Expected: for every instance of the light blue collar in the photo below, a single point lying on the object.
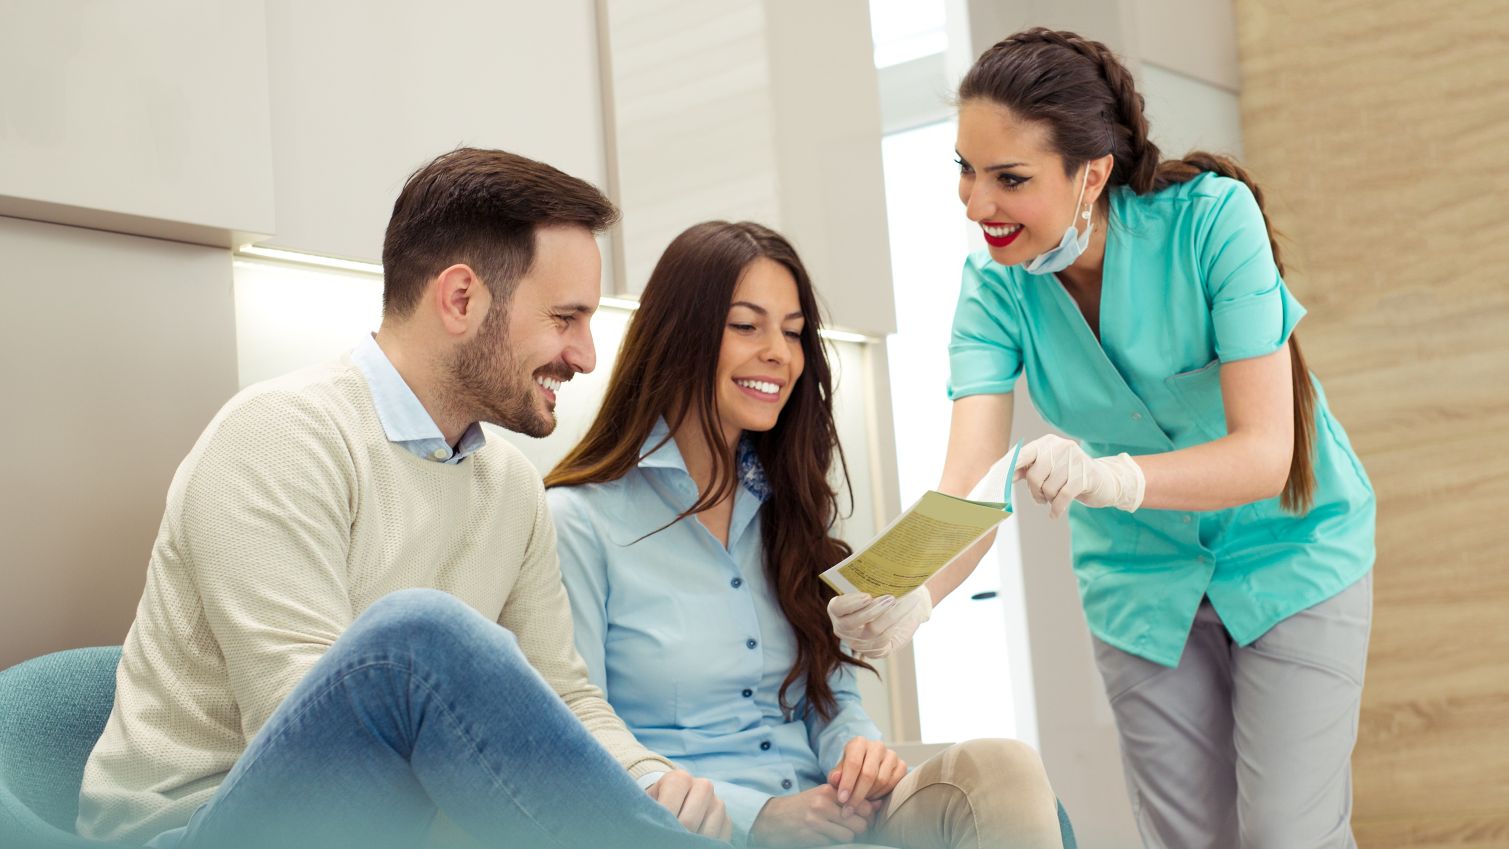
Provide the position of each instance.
(668, 456)
(404, 419)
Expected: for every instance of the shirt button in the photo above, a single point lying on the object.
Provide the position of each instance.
(1187, 519)
(747, 693)
(441, 454)
(750, 644)
(1136, 417)
(765, 746)
(736, 583)
(785, 784)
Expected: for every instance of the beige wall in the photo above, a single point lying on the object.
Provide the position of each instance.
(204, 122)
(752, 109)
(1378, 129)
(114, 353)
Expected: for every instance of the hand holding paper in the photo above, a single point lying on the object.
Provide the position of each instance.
(875, 627)
(1058, 471)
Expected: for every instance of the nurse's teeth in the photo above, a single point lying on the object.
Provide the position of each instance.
(1001, 232)
(760, 386)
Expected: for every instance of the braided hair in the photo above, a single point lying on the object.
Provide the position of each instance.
(1088, 102)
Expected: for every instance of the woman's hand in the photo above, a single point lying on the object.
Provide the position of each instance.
(693, 803)
(875, 627)
(868, 772)
(810, 818)
(1058, 471)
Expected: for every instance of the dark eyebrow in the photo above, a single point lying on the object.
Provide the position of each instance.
(761, 310)
(990, 168)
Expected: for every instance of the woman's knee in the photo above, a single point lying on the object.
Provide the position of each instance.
(992, 759)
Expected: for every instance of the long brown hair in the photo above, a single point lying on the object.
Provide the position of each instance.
(1090, 105)
(667, 367)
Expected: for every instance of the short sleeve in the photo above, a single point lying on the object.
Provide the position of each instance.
(1252, 311)
(985, 351)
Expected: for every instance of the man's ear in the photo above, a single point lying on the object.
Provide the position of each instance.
(460, 299)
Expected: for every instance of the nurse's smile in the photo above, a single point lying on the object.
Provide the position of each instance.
(999, 235)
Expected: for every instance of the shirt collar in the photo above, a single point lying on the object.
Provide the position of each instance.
(668, 456)
(404, 419)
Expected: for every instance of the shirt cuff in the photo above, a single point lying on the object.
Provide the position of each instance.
(648, 780)
(743, 806)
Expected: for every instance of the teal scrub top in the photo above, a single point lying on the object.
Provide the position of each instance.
(1188, 283)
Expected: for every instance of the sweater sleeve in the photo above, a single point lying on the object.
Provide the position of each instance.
(539, 615)
(264, 527)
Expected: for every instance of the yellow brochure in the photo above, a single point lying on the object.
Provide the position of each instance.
(919, 543)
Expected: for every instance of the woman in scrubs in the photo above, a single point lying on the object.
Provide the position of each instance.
(1222, 525)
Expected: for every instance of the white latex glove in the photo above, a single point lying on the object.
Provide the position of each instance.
(875, 627)
(1058, 471)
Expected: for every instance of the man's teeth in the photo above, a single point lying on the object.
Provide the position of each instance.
(760, 386)
(549, 383)
(1001, 232)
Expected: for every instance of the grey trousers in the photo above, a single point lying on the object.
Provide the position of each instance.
(1246, 747)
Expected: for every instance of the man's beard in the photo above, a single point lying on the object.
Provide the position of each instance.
(488, 384)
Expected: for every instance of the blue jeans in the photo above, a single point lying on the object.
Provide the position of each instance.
(425, 706)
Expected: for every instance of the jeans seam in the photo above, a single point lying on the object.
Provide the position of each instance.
(445, 710)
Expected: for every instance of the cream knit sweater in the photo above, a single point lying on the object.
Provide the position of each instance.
(291, 515)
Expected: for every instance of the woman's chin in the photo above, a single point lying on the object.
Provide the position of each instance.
(1008, 255)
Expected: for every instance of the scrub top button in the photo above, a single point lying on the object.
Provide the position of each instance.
(1136, 417)
(1187, 519)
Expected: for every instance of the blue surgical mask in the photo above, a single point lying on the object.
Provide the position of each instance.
(1070, 246)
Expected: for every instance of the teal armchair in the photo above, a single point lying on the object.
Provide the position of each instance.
(52, 710)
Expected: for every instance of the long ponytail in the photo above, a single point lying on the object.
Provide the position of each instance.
(1299, 488)
(1089, 101)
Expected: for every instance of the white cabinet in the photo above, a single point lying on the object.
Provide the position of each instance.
(145, 118)
(365, 91)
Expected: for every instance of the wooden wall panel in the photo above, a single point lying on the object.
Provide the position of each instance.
(1379, 129)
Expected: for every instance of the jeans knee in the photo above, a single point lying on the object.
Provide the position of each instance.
(424, 621)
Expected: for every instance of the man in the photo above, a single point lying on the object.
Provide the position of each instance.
(353, 618)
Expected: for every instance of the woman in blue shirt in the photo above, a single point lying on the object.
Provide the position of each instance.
(1222, 525)
(693, 521)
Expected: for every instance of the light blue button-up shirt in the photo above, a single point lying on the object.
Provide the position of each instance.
(686, 637)
(404, 419)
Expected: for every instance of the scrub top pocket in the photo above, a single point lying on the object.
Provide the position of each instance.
(1199, 392)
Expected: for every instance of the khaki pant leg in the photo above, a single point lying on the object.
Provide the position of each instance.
(981, 794)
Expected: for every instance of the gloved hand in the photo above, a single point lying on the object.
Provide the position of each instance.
(875, 627)
(1058, 471)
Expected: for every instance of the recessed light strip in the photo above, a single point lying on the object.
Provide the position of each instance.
(372, 268)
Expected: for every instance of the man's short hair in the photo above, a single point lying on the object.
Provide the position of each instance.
(480, 208)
